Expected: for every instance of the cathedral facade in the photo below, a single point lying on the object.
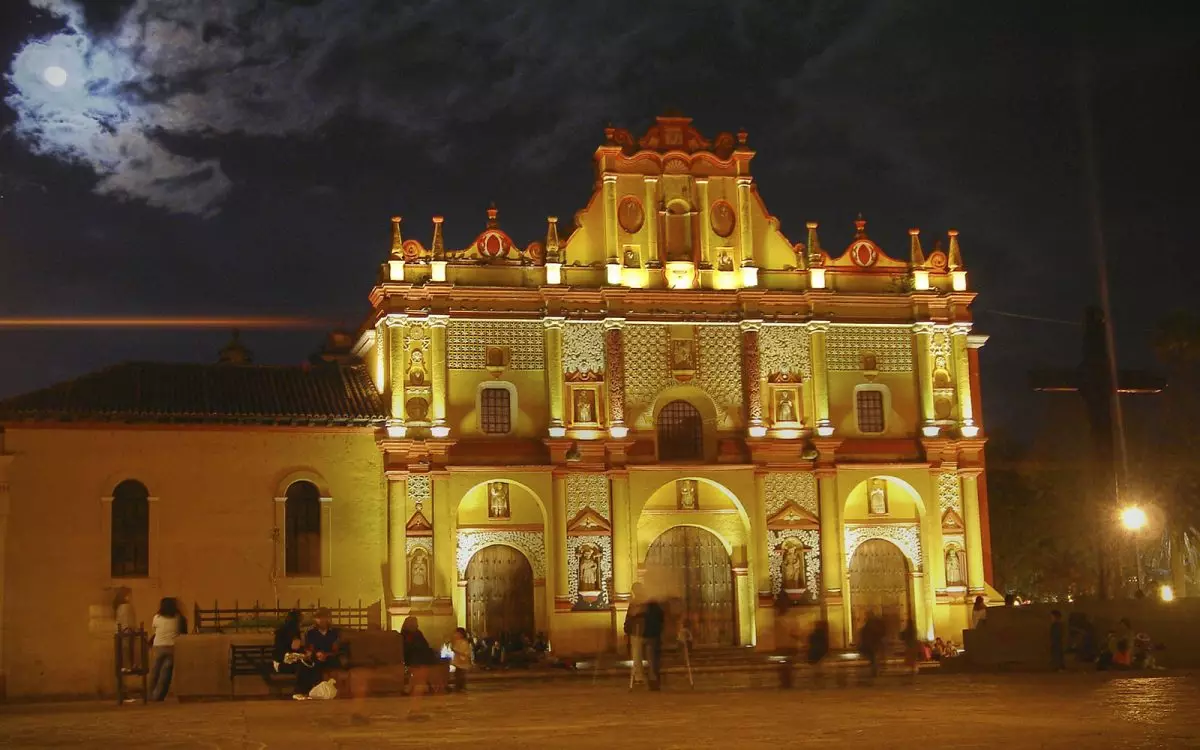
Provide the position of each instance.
(670, 391)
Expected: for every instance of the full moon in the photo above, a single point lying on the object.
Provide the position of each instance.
(55, 76)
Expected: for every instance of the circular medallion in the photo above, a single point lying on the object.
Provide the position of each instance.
(535, 252)
(723, 218)
(938, 260)
(630, 214)
(417, 409)
(491, 245)
(864, 254)
(412, 250)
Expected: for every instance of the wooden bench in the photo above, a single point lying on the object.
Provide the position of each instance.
(255, 660)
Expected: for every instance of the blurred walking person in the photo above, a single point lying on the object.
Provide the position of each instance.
(166, 627)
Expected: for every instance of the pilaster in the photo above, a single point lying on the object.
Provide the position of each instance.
(445, 546)
(924, 335)
(760, 560)
(624, 549)
(751, 378)
(972, 531)
(614, 362)
(554, 373)
(558, 550)
(745, 235)
(437, 376)
(397, 538)
(397, 366)
(651, 211)
(818, 330)
(832, 553)
(705, 232)
(610, 218)
(962, 377)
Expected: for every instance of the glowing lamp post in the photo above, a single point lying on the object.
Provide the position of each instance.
(1133, 519)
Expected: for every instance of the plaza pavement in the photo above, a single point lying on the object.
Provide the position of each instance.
(1078, 711)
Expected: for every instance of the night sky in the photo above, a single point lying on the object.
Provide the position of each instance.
(243, 157)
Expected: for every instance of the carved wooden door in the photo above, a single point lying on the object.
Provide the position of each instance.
(499, 593)
(879, 584)
(692, 569)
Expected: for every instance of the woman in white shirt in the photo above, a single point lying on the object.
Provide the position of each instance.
(166, 627)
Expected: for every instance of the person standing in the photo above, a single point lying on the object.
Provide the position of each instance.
(460, 644)
(1056, 642)
(653, 617)
(634, 618)
(166, 626)
(978, 612)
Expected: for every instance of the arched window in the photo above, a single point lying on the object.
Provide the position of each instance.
(303, 518)
(130, 530)
(680, 432)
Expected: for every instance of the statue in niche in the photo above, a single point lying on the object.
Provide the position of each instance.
(792, 568)
(785, 410)
(631, 258)
(954, 567)
(689, 494)
(498, 500)
(589, 569)
(724, 262)
(418, 574)
(585, 406)
(416, 367)
(877, 498)
(683, 355)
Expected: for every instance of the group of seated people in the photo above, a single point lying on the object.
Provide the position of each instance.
(311, 655)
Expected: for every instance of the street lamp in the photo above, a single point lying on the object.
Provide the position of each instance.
(1134, 519)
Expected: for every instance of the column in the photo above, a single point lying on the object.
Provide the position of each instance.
(445, 545)
(745, 236)
(558, 546)
(924, 334)
(437, 373)
(760, 560)
(962, 377)
(818, 329)
(651, 206)
(624, 547)
(398, 366)
(397, 540)
(610, 218)
(554, 374)
(832, 553)
(705, 233)
(614, 363)
(752, 379)
(971, 530)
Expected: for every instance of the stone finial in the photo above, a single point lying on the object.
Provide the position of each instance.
(438, 246)
(814, 245)
(397, 239)
(860, 227)
(954, 261)
(493, 214)
(917, 254)
(552, 244)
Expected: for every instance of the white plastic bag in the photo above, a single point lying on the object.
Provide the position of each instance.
(324, 691)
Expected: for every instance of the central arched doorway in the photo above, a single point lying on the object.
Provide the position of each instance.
(690, 568)
(879, 584)
(499, 593)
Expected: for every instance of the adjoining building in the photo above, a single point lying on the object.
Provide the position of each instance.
(669, 391)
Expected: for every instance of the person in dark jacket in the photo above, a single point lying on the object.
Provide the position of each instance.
(288, 640)
(322, 648)
(652, 629)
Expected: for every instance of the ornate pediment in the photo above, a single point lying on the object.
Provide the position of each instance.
(792, 516)
(418, 525)
(952, 522)
(588, 521)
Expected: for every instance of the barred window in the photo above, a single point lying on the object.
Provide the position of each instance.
(303, 519)
(495, 411)
(130, 544)
(680, 432)
(869, 406)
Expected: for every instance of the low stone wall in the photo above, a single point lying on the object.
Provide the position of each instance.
(1019, 637)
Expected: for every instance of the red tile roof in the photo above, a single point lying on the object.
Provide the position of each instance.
(197, 393)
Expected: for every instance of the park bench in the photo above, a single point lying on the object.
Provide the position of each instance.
(245, 661)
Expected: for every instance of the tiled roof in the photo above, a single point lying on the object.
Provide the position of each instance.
(225, 393)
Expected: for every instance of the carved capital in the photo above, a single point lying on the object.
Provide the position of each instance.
(614, 323)
(438, 321)
(554, 322)
(924, 328)
(819, 326)
(751, 325)
(960, 329)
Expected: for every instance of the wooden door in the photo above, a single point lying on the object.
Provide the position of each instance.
(499, 593)
(690, 568)
(879, 584)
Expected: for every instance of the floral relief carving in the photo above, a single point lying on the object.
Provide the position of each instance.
(646, 360)
(784, 352)
(574, 546)
(891, 346)
(587, 491)
(720, 373)
(949, 493)
(467, 342)
(418, 542)
(419, 492)
(583, 349)
(528, 543)
(905, 536)
(811, 540)
(784, 487)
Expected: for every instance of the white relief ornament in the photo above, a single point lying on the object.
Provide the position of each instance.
(905, 536)
(467, 342)
(784, 351)
(891, 346)
(419, 491)
(583, 348)
(418, 542)
(949, 493)
(587, 491)
(810, 540)
(529, 543)
(646, 365)
(784, 487)
(575, 556)
(720, 372)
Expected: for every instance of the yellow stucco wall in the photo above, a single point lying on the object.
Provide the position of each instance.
(211, 532)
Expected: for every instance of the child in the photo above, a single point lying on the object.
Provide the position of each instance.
(461, 661)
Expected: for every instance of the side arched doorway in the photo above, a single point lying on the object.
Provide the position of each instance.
(879, 584)
(499, 593)
(691, 570)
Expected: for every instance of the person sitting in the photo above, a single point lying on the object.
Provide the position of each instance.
(418, 655)
(462, 660)
(322, 647)
(289, 644)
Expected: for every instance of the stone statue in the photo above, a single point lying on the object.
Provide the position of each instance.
(416, 367)
(631, 258)
(418, 577)
(953, 567)
(786, 410)
(498, 500)
(584, 411)
(793, 568)
(687, 494)
(878, 499)
(589, 570)
(724, 262)
(682, 358)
